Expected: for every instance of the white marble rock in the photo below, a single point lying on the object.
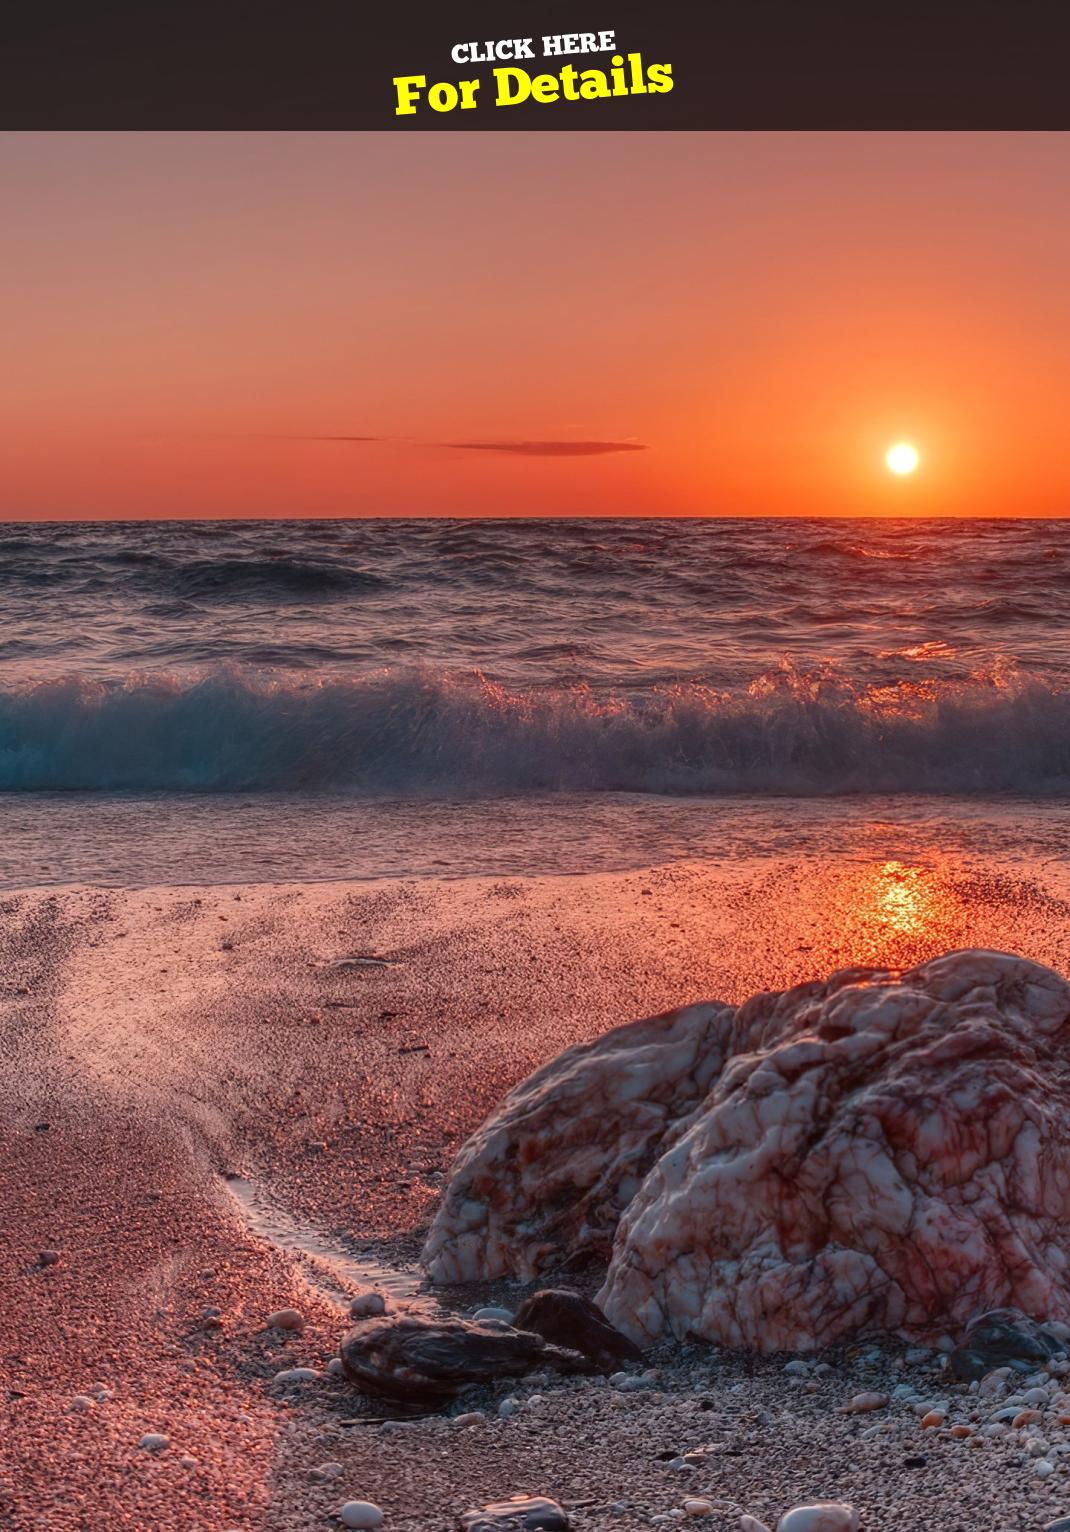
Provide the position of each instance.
(876, 1151)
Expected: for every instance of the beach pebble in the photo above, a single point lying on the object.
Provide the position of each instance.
(297, 1375)
(335, 1368)
(933, 1419)
(153, 1441)
(1026, 1418)
(861, 1403)
(698, 1507)
(285, 1319)
(364, 1305)
(508, 1407)
(1060, 1524)
(361, 1514)
(492, 1311)
(331, 1470)
(522, 1513)
(821, 1516)
(1043, 1468)
(80, 1403)
(751, 1524)
(49, 1258)
(469, 1418)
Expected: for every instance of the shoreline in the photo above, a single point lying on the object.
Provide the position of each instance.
(169, 1036)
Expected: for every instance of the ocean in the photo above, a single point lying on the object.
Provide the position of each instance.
(233, 701)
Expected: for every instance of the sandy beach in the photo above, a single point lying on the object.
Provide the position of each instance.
(332, 1045)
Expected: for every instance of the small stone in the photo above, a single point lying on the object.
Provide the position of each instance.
(1026, 1418)
(821, 1516)
(523, 1513)
(153, 1441)
(1060, 1524)
(332, 1470)
(187, 1461)
(698, 1507)
(491, 1311)
(80, 1403)
(49, 1258)
(915, 1461)
(751, 1524)
(961, 1432)
(296, 1375)
(508, 1408)
(361, 1514)
(335, 1368)
(286, 1319)
(365, 1305)
(797, 1368)
(1043, 1468)
(862, 1403)
(469, 1418)
(932, 1419)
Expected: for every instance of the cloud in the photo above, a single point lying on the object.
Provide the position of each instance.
(550, 449)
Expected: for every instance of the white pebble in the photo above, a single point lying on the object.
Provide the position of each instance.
(331, 1470)
(508, 1407)
(698, 1507)
(361, 1514)
(152, 1441)
(1043, 1468)
(297, 1375)
(862, 1403)
(366, 1305)
(80, 1402)
(751, 1524)
(492, 1311)
(335, 1368)
(821, 1516)
(470, 1418)
(285, 1319)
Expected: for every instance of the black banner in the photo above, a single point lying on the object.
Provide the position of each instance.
(583, 65)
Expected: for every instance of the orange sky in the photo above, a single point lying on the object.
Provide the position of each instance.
(764, 312)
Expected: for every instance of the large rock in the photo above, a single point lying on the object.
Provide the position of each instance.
(874, 1152)
(424, 1363)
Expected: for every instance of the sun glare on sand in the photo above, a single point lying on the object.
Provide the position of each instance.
(902, 458)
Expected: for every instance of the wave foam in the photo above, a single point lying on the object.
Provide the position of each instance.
(440, 731)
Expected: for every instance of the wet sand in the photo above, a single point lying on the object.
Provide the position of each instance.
(156, 1041)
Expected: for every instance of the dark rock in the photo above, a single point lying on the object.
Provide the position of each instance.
(524, 1513)
(917, 1461)
(422, 1362)
(569, 1319)
(967, 1365)
(1060, 1524)
(1004, 1336)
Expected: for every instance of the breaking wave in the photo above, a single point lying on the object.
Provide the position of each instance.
(437, 731)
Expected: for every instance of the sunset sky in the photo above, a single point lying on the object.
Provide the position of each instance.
(762, 314)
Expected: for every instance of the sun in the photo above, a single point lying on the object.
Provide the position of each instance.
(902, 458)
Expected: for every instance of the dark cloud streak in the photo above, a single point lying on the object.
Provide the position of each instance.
(549, 449)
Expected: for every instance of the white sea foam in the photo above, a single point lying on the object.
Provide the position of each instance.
(428, 731)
